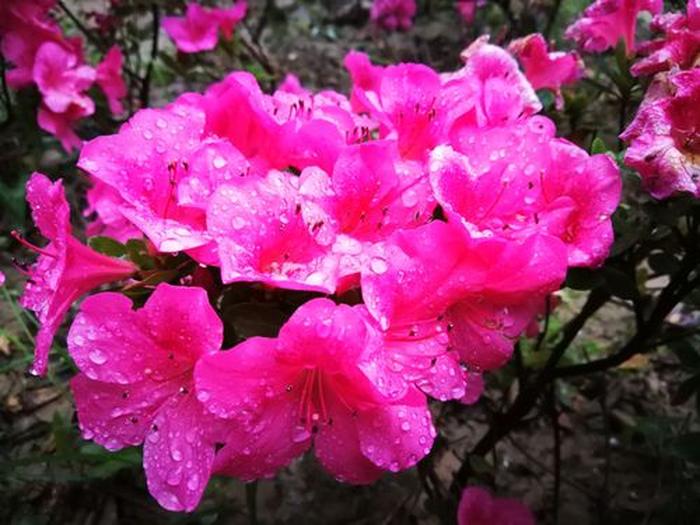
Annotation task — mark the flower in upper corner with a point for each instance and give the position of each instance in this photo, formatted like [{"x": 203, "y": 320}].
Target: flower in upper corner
[
  {"x": 136, "y": 385},
  {"x": 230, "y": 16},
  {"x": 475, "y": 299},
  {"x": 316, "y": 383},
  {"x": 198, "y": 30},
  {"x": 545, "y": 69},
  {"x": 605, "y": 22},
  {"x": 393, "y": 14},
  {"x": 65, "y": 269},
  {"x": 24, "y": 27},
  {"x": 679, "y": 47},
  {"x": 61, "y": 80},
  {"x": 263, "y": 233},
  {"x": 109, "y": 78},
  {"x": 467, "y": 9},
  {"x": 478, "y": 507},
  {"x": 664, "y": 137}
]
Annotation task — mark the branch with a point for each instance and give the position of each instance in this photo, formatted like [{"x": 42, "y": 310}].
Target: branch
[
  {"x": 146, "y": 83},
  {"x": 504, "y": 423}
]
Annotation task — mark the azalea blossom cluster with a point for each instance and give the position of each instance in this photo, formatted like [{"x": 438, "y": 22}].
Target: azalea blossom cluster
[
  {"x": 42, "y": 56},
  {"x": 664, "y": 137},
  {"x": 426, "y": 218}
]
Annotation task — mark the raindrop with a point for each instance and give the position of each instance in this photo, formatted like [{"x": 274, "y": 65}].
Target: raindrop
[{"x": 97, "y": 357}]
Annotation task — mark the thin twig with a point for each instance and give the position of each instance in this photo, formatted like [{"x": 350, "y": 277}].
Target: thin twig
[
  {"x": 556, "y": 435},
  {"x": 146, "y": 83}
]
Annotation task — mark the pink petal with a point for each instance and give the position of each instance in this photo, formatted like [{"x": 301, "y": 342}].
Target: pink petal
[
  {"x": 117, "y": 416},
  {"x": 160, "y": 341},
  {"x": 109, "y": 78},
  {"x": 338, "y": 448},
  {"x": 396, "y": 437},
  {"x": 178, "y": 453}
]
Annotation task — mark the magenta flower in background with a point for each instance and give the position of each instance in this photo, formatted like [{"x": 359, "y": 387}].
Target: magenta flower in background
[
  {"x": 109, "y": 78},
  {"x": 664, "y": 137},
  {"x": 198, "y": 30},
  {"x": 467, "y": 9},
  {"x": 393, "y": 15},
  {"x": 605, "y": 22},
  {"x": 317, "y": 383},
  {"x": 679, "y": 47},
  {"x": 478, "y": 507},
  {"x": 65, "y": 269},
  {"x": 61, "y": 80},
  {"x": 547, "y": 69},
  {"x": 136, "y": 385}
]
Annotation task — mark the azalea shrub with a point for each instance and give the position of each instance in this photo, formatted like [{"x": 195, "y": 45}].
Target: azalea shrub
[{"x": 264, "y": 270}]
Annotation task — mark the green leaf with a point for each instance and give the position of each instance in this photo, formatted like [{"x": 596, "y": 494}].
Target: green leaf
[
  {"x": 686, "y": 390},
  {"x": 138, "y": 253},
  {"x": 687, "y": 354},
  {"x": 107, "y": 246},
  {"x": 598, "y": 146},
  {"x": 687, "y": 447}
]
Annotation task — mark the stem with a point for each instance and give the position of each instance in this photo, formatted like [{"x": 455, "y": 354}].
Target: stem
[
  {"x": 504, "y": 423},
  {"x": 251, "y": 493},
  {"x": 556, "y": 435},
  {"x": 146, "y": 83},
  {"x": 554, "y": 12},
  {"x": 98, "y": 43}
]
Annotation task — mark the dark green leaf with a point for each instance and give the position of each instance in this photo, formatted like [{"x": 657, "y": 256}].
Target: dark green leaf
[
  {"x": 686, "y": 390},
  {"x": 107, "y": 246}
]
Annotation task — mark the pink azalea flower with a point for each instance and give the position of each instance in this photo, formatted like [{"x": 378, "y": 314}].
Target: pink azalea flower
[
  {"x": 664, "y": 137},
  {"x": 61, "y": 79},
  {"x": 476, "y": 298},
  {"x": 279, "y": 131},
  {"x": 680, "y": 46},
  {"x": 196, "y": 31},
  {"x": 605, "y": 22},
  {"x": 315, "y": 383},
  {"x": 490, "y": 90},
  {"x": 545, "y": 69},
  {"x": 109, "y": 78},
  {"x": 2, "y": 279},
  {"x": 478, "y": 507},
  {"x": 467, "y": 9},
  {"x": 24, "y": 27},
  {"x": 370, "y": 194},
  {"x": 393, "y": 14},
  {"x": 520, "y": 180},
  {"x": 61, "y": 125},
  {"x": 263, "y": 235},
  {"x": 144, "y": 164},
  {"x": 230, "y": 16},
  {"x": 65, "y": 269},
  {"x": 136, "y": 384}
]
